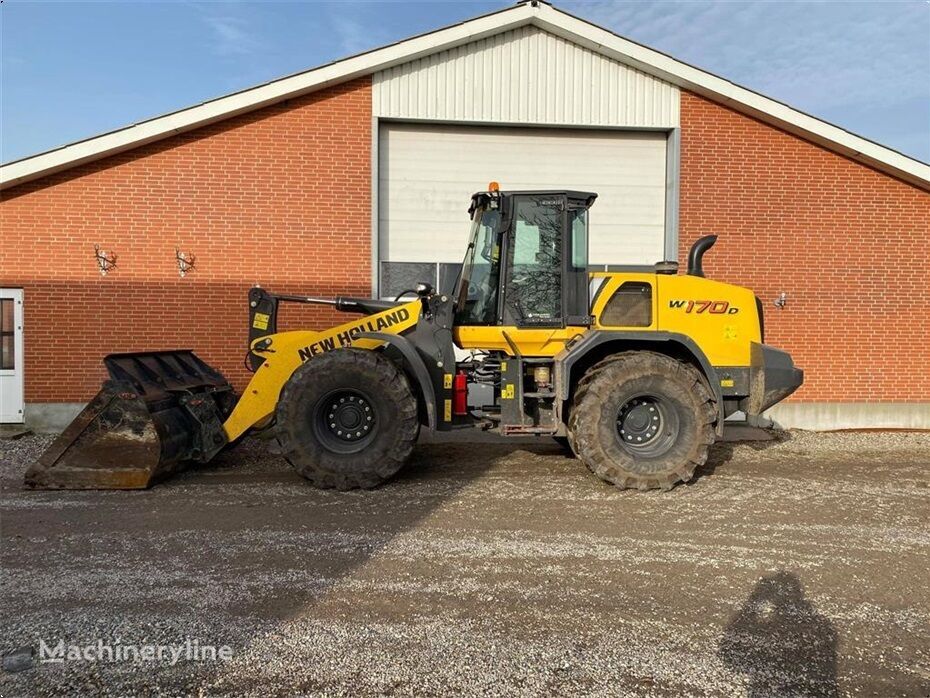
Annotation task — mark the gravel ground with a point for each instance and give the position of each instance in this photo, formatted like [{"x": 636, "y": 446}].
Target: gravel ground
[{"x": 794, "y": 566}]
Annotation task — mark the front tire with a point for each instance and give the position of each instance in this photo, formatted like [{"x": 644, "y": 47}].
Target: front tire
[
  {"x": 642, "y": 420},
  {"x": 347, "y": 419}
]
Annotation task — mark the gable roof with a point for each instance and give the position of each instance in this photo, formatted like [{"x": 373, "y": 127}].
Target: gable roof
[{"x": 531, "y": 12}]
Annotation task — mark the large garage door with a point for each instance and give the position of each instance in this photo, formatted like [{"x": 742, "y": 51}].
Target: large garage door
[{"x": 428, "y": 172}]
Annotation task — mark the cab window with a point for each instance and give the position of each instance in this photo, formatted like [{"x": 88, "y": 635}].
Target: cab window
[
  {"x": 533, "y": 292},
  {"x": 579, "y": 222},
  {"x": 477, "y": 296}
]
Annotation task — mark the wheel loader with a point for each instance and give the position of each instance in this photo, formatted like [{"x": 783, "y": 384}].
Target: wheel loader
[{"x": 635, "y": 372}]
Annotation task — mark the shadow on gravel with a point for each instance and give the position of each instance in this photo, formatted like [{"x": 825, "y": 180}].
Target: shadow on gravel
[
  {"x": 249, "y": 519},
  {"x": 780, "y": 642},
  {"x": 362, "y": 525}
]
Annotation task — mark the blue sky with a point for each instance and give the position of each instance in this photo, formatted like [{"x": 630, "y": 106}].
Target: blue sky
[{"x": 72, "y": 70}]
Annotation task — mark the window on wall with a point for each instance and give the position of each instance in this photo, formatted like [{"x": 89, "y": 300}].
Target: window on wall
[
  {"x": 7, "y": 335},
  {"x": 397, "y": 277}
]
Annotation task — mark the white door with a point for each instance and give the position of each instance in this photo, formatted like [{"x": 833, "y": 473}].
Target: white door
[
  {"x": 428, "y": 172},
  {"x": 11, "y": 355}
]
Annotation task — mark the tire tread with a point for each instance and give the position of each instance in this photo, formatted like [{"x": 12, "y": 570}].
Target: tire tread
[
  {"x": 595, "y": 387},
  {"x": 386, "y": 456}
]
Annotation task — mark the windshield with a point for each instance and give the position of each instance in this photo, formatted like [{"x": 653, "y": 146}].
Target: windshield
[{"x": 476, "y": 294}]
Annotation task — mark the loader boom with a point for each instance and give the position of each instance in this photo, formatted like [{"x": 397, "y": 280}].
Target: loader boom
[{"x": 285, "y": 351}]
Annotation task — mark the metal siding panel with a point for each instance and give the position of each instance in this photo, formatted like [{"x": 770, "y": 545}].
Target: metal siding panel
[
  {"x": 427, "y": 173},
  {"x": 672, "y": 192},
  {"x": 525, "y": 76},
  {"x": 518, "y": 106}
]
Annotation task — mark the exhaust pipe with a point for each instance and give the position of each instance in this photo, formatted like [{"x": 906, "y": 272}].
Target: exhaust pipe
[{"x": 696, "y": 255}]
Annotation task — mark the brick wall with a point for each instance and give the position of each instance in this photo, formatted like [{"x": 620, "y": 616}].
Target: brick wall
[
  {"x": 849, "y": 245},
  {"x": 280, "y": 197}
]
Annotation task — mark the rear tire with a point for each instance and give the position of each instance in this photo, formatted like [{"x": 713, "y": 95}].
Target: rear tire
[
  {"x": 642, "y": 420},
  {"x": 347, "y": 419}
]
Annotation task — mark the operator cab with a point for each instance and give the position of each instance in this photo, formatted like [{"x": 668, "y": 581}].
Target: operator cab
[{"x": 526, "y": 265}]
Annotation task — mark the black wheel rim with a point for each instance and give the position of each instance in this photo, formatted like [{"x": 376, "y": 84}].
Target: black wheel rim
[
  {"x": 345, "y": 421},
  {"x": 647, "y": 426}
]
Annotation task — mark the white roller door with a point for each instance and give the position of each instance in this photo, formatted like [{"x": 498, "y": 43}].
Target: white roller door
[{"x": 428, "y": 172}]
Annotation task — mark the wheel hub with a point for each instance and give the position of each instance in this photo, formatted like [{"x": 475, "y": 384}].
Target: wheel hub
[
  {"x": 349, "y": 416},
  {"x": 639, "y": 421}
]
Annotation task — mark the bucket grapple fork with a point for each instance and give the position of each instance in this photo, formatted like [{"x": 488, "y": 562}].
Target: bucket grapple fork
[{"x": 156, "y": 411}]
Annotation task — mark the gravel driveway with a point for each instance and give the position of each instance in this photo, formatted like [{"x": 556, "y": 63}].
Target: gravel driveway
[{"x": 798, "y": 565}]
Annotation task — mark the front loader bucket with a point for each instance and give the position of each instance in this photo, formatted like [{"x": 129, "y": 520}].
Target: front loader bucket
[{"x": 157, "y": 412}]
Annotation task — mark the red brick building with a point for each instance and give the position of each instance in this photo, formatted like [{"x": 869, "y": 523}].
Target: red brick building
[{"x": 353, "y": 178}]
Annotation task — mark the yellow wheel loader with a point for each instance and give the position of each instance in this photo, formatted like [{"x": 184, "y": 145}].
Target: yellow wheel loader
[{"x": 635, "y": 371}]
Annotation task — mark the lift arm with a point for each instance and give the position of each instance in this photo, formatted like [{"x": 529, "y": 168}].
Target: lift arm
[{"x": 282, "y": 353}]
